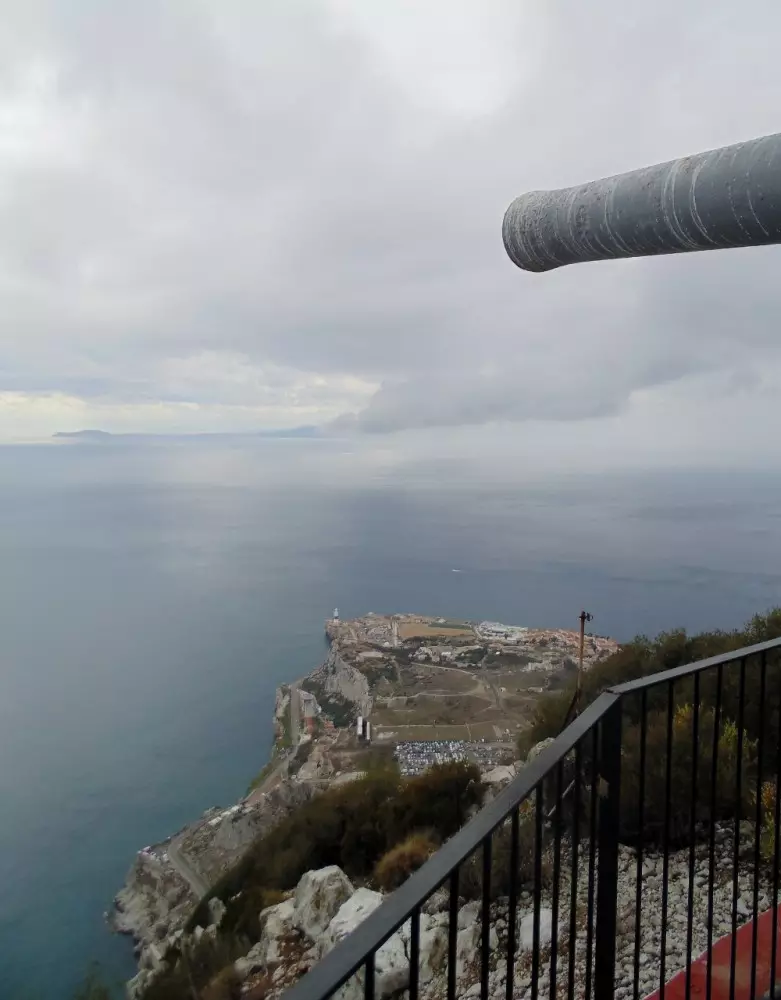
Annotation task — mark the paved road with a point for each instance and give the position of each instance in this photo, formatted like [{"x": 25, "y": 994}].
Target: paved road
[
  {"x": 284, "y": 758},
  {"x": 295, "y": 714},
  {"x": 185, "y": 869}
]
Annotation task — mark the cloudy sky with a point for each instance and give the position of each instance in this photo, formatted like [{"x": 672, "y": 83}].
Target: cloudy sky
[{"x": 232, "y": 216}]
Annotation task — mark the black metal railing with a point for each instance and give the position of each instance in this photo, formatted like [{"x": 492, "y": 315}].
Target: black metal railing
[{"x": 645, "y": 833}]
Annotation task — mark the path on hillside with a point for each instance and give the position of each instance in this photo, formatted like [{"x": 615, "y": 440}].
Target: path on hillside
[
  {"x": 185, "y": 869},
  {"x": 280, "y": 770},
  {"x": 295, "y": 714}
]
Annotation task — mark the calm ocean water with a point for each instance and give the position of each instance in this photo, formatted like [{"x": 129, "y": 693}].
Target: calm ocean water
[{"x": 152, "y": 598}]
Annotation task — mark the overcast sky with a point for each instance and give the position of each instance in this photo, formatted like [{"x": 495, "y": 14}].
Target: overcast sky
[{"x": 231, "y": 216}]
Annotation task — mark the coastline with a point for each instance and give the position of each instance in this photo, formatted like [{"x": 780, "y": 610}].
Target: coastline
[
  {"x": 167, "y": 879},
  {"x": 316, "y": 747}
]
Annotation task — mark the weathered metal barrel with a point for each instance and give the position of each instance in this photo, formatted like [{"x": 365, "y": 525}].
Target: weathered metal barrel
[{"x": 729, "y": 197}]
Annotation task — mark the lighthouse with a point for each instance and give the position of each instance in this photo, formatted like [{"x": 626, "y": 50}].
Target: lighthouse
[{"x": 336, "y": 614}]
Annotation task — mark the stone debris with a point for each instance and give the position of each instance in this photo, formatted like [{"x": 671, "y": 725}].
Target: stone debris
[{"x": 317, "y": 895}]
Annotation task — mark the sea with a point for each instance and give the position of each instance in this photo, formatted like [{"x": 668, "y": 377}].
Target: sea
[{"x": 152, "y": 597}]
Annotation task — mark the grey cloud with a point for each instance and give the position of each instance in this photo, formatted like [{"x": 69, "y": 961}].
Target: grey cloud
[{"x": 252, "y": 180}]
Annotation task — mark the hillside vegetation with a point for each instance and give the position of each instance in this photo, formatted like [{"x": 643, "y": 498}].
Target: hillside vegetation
[
  {"x": 643, "y": 657},
  {"x": 352, "y": 826}
]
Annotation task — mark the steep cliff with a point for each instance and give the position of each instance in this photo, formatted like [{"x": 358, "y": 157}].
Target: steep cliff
[
  {"x": 166, "y": 881},
  {"x": 341, "y": 690}
]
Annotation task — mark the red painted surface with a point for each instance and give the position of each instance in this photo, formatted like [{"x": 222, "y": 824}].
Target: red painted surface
[{"x": 722, "y": 953}]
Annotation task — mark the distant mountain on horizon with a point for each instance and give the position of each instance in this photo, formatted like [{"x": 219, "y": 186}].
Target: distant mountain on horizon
[
  {"x": 93, "y": 436},
  {"x": 86, "y": 435}
]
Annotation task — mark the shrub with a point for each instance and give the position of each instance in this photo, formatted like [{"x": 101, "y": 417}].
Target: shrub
[
  {"x": 643, "y": 657},
  {"x": 201, "y": 969},
  {"x": 397, "y": 864},
  {"x": 351, "y": 826},
  {"x": 682, "y": 765},
  {"x": 226, "y": 985}
]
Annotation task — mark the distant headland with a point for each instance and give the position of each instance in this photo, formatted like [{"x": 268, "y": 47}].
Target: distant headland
[{"x": 94, "y": 436}]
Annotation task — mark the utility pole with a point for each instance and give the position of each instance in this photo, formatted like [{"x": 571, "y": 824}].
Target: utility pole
[
  {"x": 584, "y": 617},
  {"x": 574, "y": 705}
]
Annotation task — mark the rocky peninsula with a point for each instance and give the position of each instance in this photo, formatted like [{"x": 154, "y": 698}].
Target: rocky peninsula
[{"x": 430, "y": 689}]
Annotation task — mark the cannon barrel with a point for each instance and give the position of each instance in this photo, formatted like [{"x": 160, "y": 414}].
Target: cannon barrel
[{"x": 729, "y": 197}]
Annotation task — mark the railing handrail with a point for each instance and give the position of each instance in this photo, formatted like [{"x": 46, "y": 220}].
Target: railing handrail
[{"x": 350, "y": 954}]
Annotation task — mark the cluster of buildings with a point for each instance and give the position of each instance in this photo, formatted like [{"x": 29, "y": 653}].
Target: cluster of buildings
[
  {"x": 435, "y": 654},
  {"x": 496, "y": 632},
  {"x": 417, "y": 756}
]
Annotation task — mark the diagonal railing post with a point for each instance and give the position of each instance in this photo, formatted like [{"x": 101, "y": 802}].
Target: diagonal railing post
[{"x": 607, "y": 878}]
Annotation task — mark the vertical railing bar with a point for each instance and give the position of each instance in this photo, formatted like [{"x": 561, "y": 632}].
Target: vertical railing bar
[
  {"x": 776, "y": 845},
  {"x": 368, "y": 983},
  {"x": 692, "y": 828},
  {"x": 736, "y": 844},
  {"x": 513, "y": 900},
  {"x": 414, "y": 954},
  {"x": 452, "y": 935},
  {"x": 485, "y": 930},
  {"x": 592, "y": 859},
  {"x": 712, "y": 839},
  {"x": 666, "y": 836},
  {"x": 538, "y": 810},
  {"x": 573, "y": 899},
  {"x": 758, "y": 821},
  {"x": 640, "y": 837},
  {"x": 556, "y": 878},
  {"x": 609, "y": 829}
]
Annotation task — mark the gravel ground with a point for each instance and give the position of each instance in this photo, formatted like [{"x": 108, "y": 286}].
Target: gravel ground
[{"x": 650, "y": 945}]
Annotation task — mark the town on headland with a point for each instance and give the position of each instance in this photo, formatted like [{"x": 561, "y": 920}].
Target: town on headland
[
  {"x": 425, "y": 689},
  {"x": 405, "y": 688}
]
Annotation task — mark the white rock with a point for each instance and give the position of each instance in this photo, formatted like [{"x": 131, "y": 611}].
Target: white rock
[
  {"x": 437, "y": 903},
  {"x": 276, "y": 922},
  {"x": 469, "y": 939},
  {"x": 351, "y": 913},
  {"x": 537, "y": 749},
  {"x": 242, "y": 967},
  {"x": 216, "y": 909},
  {"x": 391, "y": 963},
  {"x": 526, "y": 930},
  {"x": 500, "y": 775},
  {"x": 433, "y": 948},
  {"x": 319, "y": 894}
]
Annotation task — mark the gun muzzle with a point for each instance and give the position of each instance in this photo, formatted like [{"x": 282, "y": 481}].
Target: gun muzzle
[{"x": 729, "y": 197}]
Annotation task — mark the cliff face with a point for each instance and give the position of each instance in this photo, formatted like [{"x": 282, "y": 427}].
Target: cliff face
[
  {"x": 214, "y": 848},
  {"x": 281, "y": 703},
  {"x": 154, "y": 901},
  {"x": 166, "y": 881},
  {"x": 337, "y": 678}
]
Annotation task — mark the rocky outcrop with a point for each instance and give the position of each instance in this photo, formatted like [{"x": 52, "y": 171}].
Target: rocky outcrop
[
  {"x": 537, "y": 749},
  {"x": 218, "y": 843},
  {"x": 154, "y": 901},
  {"x": 281, "y": 708},
  {"x": 318, "y": 897},
  {"x": 496, "y": 779},
  {"x": 340, "y": 679}
]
